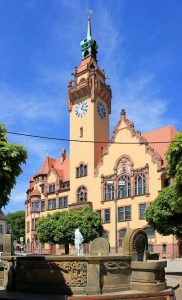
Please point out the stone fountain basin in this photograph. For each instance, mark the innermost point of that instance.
(148, 275)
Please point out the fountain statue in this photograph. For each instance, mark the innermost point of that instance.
(78, 242)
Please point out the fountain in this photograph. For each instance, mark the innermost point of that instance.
(96, 273)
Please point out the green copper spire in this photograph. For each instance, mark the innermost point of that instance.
(89, 31)
(89, 45)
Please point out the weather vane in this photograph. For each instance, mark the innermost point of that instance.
(89, 11)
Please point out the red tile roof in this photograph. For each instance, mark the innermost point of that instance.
(62, 169)
(35, 192)
(164, 134)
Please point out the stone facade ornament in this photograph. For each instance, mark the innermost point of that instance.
(135, 244)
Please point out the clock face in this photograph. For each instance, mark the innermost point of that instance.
(81, 108)
(101, 110)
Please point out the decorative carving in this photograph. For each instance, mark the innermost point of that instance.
(124, 166)
(135, 243)
(73, 273)
(116, 265)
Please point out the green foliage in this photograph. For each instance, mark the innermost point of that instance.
(174, 159)
(16, 222)
(161, 214)
(59, 228)
(11, 158)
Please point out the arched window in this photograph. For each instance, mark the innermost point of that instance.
(109, 190)
(121, 235)
(123, 187)
(140, 184)
(81, 194)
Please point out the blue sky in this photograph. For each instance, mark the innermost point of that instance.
(140, 46)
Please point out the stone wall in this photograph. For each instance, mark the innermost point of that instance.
(68, 274)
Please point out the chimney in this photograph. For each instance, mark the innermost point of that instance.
(63, 155)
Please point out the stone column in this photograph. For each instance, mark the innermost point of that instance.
(93, 278)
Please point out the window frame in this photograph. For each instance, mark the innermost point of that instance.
(107, 212)
(125, 192)
(124, 213)
(109, 194)
(61, 201)
(50, 204)
(142, 214)
(81, 190)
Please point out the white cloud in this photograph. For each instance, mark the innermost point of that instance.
(28, 108)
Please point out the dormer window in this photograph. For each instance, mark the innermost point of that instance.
(51, 188)
(81, 171)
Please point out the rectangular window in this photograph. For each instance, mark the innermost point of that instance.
(33, 224)
(37, 206)
(120, 214)
(1, 228)
(124, 213)
(107, 216)
(51, 188)
(63, 202)
(28, 226)
(142, 208)
(51, 204)
(127, 213)
(81, 171)
(42, 188)
(42, 205)
(81, 132)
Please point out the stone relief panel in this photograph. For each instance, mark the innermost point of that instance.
(72, 273)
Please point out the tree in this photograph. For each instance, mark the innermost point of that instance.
(174, 159)
(165, 213)
(161, 214)
(16, 221)
(59, 228)
(11, 158)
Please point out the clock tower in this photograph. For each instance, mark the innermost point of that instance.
(89, 105)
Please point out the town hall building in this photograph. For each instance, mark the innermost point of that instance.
(118, 177)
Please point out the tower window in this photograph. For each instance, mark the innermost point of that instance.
(81, 171)
(81, 132)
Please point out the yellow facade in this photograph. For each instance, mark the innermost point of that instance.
(117, 177)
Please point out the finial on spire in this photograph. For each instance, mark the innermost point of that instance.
(123, 113)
